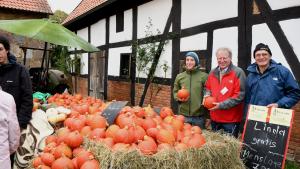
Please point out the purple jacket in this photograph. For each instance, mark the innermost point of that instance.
(9, 129)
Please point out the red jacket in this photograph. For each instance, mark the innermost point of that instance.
(229, 92)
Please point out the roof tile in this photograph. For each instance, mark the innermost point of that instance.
(82, 8)
(41, 6)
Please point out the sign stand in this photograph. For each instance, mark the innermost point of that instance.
(266, 136)
(112, 110)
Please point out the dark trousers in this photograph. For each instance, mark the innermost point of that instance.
(230, 128)
(196, 121)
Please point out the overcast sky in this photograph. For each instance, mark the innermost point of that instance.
(63, 5)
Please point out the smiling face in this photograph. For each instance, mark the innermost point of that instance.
(262, 58)
(189, 63)
(3, 54)
(223, 59)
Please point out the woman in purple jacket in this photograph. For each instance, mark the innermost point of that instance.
(9, 129)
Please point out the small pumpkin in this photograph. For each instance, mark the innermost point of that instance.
(183, 93)
(91, 164)
(47, 158)
(209, 102)
(63, 163)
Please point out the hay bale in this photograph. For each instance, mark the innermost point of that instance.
(219, 152)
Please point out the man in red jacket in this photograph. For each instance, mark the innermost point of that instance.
(227, 84)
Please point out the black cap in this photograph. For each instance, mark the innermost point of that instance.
(262, 46)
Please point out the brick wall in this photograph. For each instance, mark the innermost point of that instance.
(294, 144)
(157, 95)
(117, 90)
(121, 91)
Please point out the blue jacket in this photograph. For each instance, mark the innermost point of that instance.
(275, 85)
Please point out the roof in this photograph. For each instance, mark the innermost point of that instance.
(82, 8)
(40, 6)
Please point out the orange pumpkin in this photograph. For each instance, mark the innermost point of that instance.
(62, 150)
(147, 147)
(74, 139)
(83, 157)
(50, 139)
(165, 136)
(208, 102)
(63, 163)
(196, 141)
(37, 162)
(47, 158)
(183, 93)
(181, 147)
(96, 121)
(111, 130)
(91, 164)
(165, 111)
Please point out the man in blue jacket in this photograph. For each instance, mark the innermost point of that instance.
(269, 83)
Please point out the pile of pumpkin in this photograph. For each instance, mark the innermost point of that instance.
(63, 149)
(135, 128)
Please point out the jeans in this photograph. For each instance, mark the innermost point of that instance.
(230, 128)
(196, 121)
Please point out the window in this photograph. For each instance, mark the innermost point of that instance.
(125, 65)
(120, 22)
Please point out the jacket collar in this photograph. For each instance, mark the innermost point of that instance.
(195, 69)
(217, 70)
(11, 58)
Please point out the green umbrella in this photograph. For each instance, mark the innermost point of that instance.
(48, 31)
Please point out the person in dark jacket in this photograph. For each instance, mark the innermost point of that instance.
(193, 80)
(15, 80)
(269, 83)
(226, 83)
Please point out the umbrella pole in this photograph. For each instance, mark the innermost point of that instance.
(42, 78)
(25, 53)
(44, 55)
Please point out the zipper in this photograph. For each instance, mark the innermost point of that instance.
(190, 102)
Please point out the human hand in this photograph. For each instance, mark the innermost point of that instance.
(275, 105)
(183, 99)
(204, 99)
(216, 107)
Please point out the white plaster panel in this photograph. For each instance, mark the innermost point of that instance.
(166, 57)
(84, 61)
(279, 4)
(197, 12)
(114, 59)
(98, 33)
(262, 34)
(226, 37)
(84, 34)
(158, 12)
(126, 34)
(195, 42)
(291, 30)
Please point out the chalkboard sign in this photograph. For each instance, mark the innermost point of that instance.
(112, 110)
(265, 137)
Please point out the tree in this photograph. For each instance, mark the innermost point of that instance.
(58, 16)
(148, 52)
